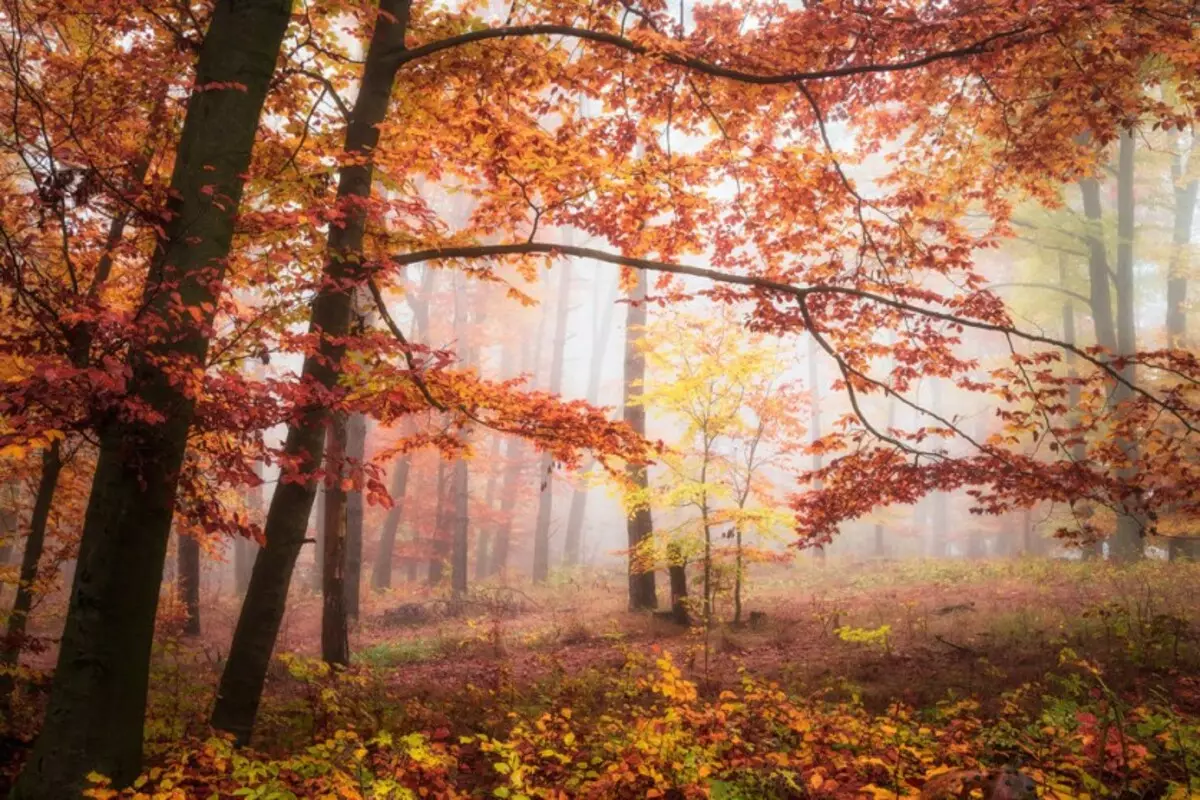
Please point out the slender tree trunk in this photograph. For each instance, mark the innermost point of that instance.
(514, 457)
(80, 345)
(187, 582)
(483, 532)
(738, 566)
(441, 547)
(381, 572)
(1177, 291)
(1078, 451)
(316, 580)
(30, 560)
(600, 336)
(677, 571)
(94, 721)
(335, 629)
(640, 525)
(1126, 544)
(461, 526)
(262, 612)
(356, 449)
(818, 460)
(460, 522)
(245, 550)
(541, 538)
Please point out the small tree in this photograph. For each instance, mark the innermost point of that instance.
(724, 391)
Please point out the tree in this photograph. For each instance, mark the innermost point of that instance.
(735, 417)
(640, 525)
(335, 636)
(94, 720)
(541, 540)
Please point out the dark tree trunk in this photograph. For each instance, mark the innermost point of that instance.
(381, 572)
(262, 612)
(677, 571)
(356, 448)
(541, 538)
(30, 561)
(640, 526)
(94, 721)
(335, 635)
(1098, 277)
(187, 582)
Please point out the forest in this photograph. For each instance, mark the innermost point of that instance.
(599, 399)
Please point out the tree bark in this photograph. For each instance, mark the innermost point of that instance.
(30, 561)
(541, 538)
(514, 456)
(356, 449)
(483, 533)
(643, 594)
(441, 547)
(381, 572)
(818, 460)
(94, 721)
(461, 526)
(262, 612)
(677, 571)
(317, 578)
(187, 582)
(335, 635)
(245, 550)
(1126, 544)
(1177, 291)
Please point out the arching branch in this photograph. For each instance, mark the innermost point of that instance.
(705, 67)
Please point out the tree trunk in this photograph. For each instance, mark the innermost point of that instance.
(335, 636)
(460, 521)
(541, 537)
(262, 612)
(737, 575)
(356, 449)
(940, 513)
(441, 547)
(1177, 291)
(381, 572)
(317, 577)
(483, 532)
(245, 550)
(514, 456)
(677, 571)
(94, 721)
(461, 526)
(187, 582)
(573, 543)
(1126, 544)
(1087, 550)
(640, 525)
(818, 460)
(30, 560)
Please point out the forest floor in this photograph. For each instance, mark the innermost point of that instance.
(849, 680)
